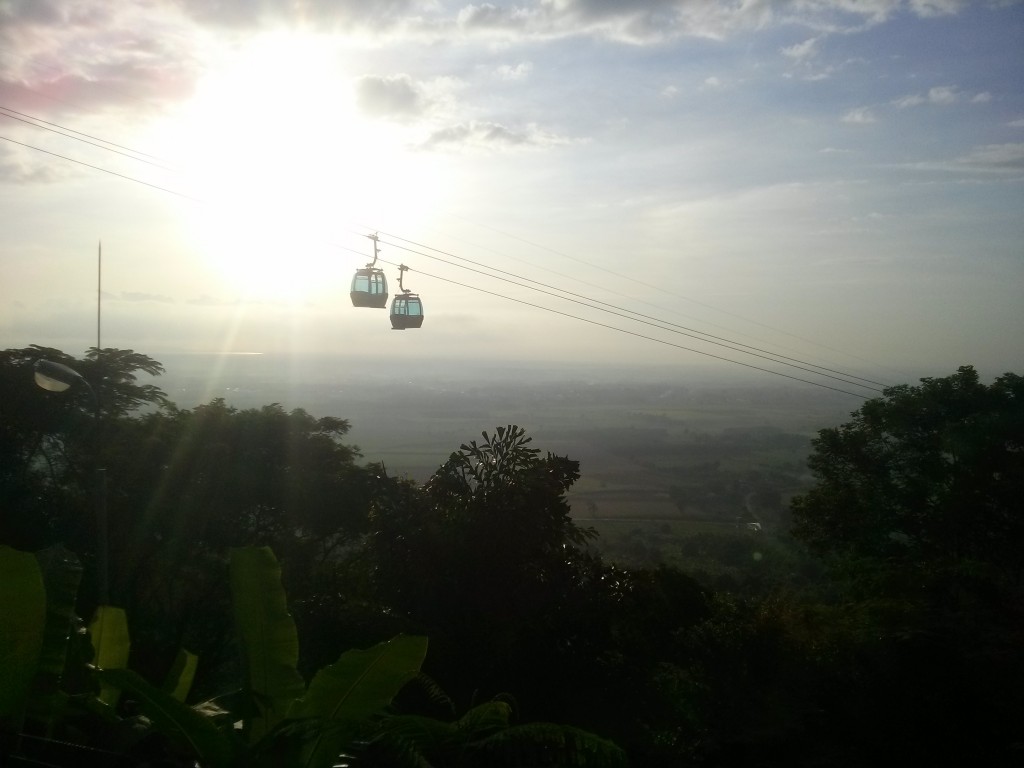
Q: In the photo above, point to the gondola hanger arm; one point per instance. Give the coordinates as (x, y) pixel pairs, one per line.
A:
(373, 263)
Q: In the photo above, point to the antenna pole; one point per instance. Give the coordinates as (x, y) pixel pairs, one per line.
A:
(99, 293)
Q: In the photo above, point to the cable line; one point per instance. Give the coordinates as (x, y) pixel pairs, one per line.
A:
(683, 329)
(104, 170)
(4, 111)
(658, 288)
(634, 333)
(654, 322)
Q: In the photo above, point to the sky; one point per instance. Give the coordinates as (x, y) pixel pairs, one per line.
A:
(839, 182)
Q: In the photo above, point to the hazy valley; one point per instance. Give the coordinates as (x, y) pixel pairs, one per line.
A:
(663, 453)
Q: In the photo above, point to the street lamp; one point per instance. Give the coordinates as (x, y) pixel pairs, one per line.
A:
(57, 377)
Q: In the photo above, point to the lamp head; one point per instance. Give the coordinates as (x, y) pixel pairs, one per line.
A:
(55, 377)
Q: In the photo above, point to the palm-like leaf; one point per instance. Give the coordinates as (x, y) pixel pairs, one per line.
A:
(546, 744)
(62, 574)
(268, 639)
(182, 673)
(358, 686)
(22, 629)
(109, 632)
(183, 725)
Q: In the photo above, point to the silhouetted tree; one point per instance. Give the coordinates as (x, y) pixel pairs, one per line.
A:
(50, 443)
(483, 551)
(926, 480)
(182, 487)
(918, 505)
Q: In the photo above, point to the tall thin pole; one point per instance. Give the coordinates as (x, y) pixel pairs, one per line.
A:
(99, 293)
(102, 533)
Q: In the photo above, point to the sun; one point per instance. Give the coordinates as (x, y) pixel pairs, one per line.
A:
(286, 166)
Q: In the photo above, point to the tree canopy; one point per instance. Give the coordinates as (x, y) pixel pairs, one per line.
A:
(917, 495)
(930, 476)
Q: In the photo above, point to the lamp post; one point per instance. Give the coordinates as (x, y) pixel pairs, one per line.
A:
(57, 377)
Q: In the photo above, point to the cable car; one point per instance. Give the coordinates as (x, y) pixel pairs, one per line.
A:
(369, 286)
(406, 307)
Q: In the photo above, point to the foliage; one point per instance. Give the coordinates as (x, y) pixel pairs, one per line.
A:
(267, 636)
(926, 480)
(307, 726)
(50, 443)
(484, 736)
(760, 660)
(183, 486)
(22, 596)
(485, 554)
(493, 515)
(917, 508)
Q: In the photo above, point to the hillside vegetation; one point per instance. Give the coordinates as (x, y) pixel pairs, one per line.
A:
(863, 608)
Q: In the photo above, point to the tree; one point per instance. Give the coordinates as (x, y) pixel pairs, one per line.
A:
(918, 504)
(187, 485)
(50, 443)
(484, 556)
(182, 487)
(492, 516)
(925, 479)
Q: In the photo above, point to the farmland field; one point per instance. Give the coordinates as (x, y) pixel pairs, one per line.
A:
(658, 459)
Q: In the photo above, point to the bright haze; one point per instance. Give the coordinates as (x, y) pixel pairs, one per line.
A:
(840, 183)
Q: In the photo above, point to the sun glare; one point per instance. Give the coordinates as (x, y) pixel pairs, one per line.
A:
(288, 167)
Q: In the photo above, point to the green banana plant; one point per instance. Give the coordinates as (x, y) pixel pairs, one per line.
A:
(343, 711)
(485, 736)
(111, 644)
(287, 723)
(22, 630)
(37, 592)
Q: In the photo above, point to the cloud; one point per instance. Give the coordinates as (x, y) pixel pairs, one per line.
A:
(519, 71)
(488, 135)
(93, 55)
(800, 51)
(14, 169)
(209, 301)
(392, 96)
(860, 116)
(648, 21)
(940, 96)
(984, 158)
(324, 14)
(909, 101)
(995, 157)
(804, 57)
(492, 18)
(930, 8)
(136, 296)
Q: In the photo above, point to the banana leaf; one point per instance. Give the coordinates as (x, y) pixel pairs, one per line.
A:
(23, 606)
(354, 689)
(62, 574)
(362, 683)
(547, 744)
(268, 639)
(181, 674)
(109, 632)
(183, 725)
